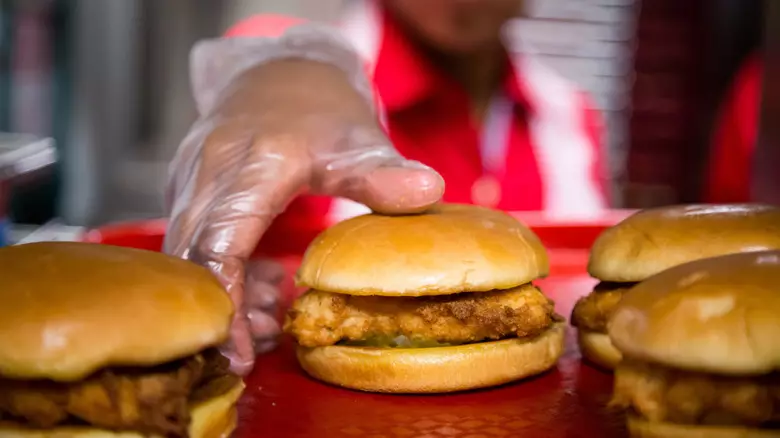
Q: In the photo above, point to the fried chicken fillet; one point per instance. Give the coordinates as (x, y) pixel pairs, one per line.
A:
(153, 401)
(592, 311)
(323, 318)
(662, 394)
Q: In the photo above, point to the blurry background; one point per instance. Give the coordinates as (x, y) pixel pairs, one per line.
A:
(108, 80)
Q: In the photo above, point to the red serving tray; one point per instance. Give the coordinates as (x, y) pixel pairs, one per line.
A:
(568, 401)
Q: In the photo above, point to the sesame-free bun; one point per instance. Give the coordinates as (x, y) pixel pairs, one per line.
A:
(641, 428)
(718, 315)
(212, 418)
(652, 240)
(69, 309)
(597, 349)
(448, 249)
(434, 370)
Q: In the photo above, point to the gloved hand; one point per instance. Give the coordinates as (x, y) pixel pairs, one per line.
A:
(269, 130)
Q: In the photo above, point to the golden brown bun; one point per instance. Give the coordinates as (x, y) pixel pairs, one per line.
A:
(451, 248)
(598, 349)
(213, 418)
(639, 428)
(68, 309)
(719, 315)
(652, 240)
(434, 370)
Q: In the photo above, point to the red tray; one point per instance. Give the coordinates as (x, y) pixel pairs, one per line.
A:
(569, 401)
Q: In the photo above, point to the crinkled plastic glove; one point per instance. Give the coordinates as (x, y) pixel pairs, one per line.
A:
(278, 117)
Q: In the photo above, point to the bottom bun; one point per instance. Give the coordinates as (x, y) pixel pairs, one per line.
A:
(645, 429)
(597, 349)
(213, 418)
(434, 370)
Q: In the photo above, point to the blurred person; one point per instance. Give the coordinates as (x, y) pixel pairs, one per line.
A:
(286, 109)
(730, 166)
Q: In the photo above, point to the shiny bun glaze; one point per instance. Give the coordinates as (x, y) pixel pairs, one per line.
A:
(449, 249)
(69, 309)
(597, 348)
(719, 315)
(653, 240)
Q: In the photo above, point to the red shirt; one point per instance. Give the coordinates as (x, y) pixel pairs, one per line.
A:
(730, 167)
(429, 118)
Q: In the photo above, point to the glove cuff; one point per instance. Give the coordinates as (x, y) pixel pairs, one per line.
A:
(216, 62)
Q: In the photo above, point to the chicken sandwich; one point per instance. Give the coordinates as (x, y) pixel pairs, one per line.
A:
(701, 351)
(653, 240)
(101, 341)
(435, 302)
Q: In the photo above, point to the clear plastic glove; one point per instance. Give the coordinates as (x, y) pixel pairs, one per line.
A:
(269, 131)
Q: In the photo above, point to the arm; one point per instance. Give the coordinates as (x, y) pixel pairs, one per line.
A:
(215, 64)
(306, 213)
(261, 138)
(274, 26)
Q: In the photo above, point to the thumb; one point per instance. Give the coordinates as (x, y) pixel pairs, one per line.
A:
(404, 187)
(239, 349)
(371, 172)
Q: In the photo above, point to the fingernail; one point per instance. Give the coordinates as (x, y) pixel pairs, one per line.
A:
(241, 368)
(405, 189)
(267, 271)
(263, 326)
(266, 346)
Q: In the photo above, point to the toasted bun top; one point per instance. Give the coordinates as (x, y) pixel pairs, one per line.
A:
(450, 248)
(652, 240)
(719, 315)
(68, 309)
